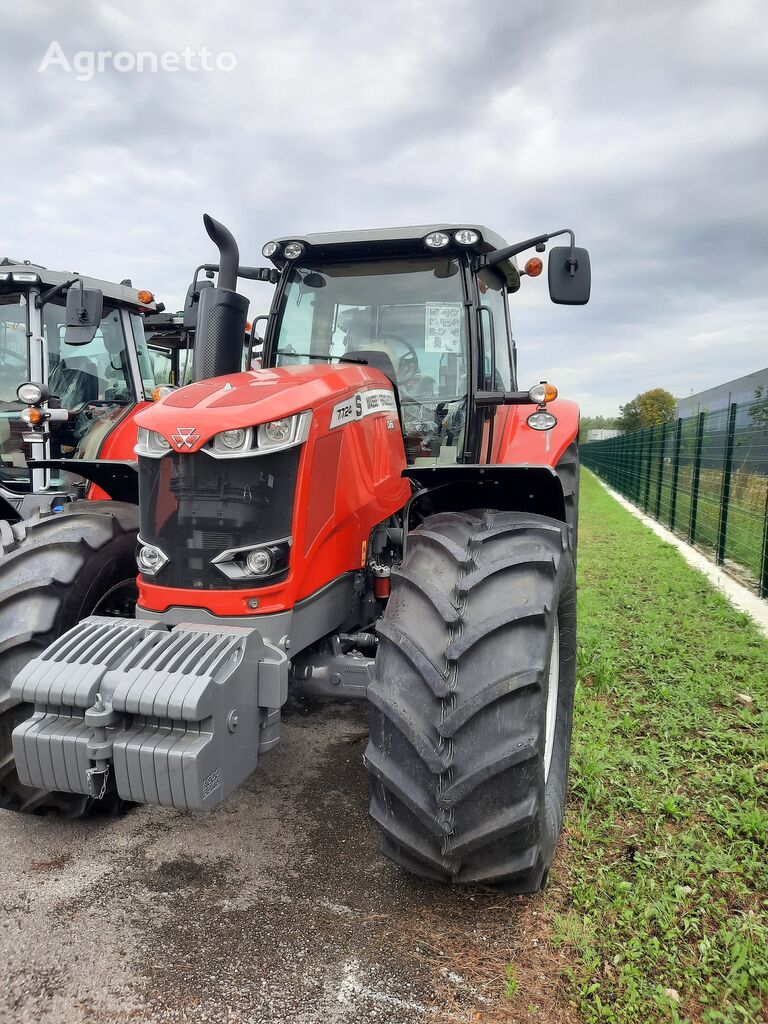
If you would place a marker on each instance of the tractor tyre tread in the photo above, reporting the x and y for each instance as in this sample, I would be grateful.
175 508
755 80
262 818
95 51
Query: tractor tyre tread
458 701
53 568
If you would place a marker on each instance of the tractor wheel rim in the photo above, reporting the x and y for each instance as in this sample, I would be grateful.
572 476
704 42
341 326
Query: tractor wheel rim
553 687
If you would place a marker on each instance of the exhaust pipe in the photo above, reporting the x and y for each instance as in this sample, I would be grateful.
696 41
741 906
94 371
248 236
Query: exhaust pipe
222 312
229 254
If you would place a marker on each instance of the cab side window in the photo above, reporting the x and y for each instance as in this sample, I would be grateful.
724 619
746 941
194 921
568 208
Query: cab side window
493 294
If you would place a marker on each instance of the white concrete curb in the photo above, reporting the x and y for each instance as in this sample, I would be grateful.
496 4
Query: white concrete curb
739 596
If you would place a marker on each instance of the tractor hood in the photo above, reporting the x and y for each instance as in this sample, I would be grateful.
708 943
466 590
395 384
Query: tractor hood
246 399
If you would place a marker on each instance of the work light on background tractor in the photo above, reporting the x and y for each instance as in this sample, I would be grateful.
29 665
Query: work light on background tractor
466 237
293 250
269 249
31 393
437 240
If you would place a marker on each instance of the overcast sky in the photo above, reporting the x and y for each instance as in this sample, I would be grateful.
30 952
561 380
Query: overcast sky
642 126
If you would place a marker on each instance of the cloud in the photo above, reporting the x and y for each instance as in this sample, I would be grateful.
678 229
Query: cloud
643 127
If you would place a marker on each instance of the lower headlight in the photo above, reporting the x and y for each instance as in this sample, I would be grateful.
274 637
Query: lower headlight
541 421
258 562
150 559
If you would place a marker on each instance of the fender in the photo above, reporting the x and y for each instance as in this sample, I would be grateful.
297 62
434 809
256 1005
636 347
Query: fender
118 480
507 488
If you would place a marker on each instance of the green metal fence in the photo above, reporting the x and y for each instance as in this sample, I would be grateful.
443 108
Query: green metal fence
705 477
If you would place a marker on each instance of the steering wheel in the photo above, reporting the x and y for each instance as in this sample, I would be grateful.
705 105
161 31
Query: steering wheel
7 354
408 364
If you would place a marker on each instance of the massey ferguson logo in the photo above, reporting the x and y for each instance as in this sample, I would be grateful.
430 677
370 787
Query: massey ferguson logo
185 437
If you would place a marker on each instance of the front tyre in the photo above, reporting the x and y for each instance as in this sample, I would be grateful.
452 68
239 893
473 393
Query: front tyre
472 701
54 571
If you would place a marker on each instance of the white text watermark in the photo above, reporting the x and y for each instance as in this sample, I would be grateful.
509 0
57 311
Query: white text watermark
85 64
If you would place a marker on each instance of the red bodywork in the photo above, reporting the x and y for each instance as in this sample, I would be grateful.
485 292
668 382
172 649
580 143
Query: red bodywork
349 478
515 443
118 446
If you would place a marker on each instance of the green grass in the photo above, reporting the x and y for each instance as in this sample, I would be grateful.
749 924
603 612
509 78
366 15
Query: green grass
666 850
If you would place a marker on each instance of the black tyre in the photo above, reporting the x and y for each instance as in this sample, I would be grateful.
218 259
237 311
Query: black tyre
468 771
54 571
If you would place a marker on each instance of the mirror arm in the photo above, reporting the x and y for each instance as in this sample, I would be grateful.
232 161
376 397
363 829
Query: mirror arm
57 288
490 259
484 399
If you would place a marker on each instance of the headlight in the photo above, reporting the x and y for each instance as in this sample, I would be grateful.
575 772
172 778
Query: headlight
269 249
232 439
436 240
278 430
284 432
466 236
293 250
31 393
541 421
258 562
25 277
232 442
150 559
238 442
150 444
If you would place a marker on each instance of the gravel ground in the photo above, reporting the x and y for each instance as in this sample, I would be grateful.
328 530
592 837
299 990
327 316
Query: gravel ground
275 907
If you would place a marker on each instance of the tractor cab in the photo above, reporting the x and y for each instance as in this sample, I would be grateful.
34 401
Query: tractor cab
427 305
91 376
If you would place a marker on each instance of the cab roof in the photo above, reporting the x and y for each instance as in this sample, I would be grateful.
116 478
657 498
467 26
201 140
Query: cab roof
408 241
118 293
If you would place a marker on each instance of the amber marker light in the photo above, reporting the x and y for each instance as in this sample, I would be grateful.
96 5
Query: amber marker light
146 297
32 416
533 266
543 393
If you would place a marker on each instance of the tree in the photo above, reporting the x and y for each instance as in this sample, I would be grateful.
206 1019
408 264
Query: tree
648 409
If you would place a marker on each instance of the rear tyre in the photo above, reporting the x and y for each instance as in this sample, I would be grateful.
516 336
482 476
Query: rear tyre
472 701
54 571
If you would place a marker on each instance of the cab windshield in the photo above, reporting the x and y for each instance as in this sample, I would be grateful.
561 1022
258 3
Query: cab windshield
406 315
14 370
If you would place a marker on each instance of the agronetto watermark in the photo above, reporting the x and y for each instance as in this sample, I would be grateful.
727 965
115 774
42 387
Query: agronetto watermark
86 64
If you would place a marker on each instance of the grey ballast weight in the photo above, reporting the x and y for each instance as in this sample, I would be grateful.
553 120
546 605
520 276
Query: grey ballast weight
178 716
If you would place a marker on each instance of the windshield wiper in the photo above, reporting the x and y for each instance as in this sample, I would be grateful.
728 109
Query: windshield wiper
311 355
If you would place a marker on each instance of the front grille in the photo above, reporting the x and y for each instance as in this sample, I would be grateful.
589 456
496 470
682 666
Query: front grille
194 507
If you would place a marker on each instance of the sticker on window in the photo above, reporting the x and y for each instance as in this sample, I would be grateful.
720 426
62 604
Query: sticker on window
442 327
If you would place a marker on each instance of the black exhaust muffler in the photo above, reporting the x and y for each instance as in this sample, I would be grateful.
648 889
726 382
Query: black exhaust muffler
222 312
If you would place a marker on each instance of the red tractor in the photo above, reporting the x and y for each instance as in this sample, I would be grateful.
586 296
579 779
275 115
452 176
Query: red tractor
379 512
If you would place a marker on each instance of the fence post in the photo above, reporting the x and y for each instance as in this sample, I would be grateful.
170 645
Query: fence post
725 490
649 459
696 477
636 494
675 473
660 472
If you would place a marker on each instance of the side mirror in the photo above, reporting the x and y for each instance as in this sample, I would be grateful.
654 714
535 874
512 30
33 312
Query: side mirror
570 275
83 315
192 302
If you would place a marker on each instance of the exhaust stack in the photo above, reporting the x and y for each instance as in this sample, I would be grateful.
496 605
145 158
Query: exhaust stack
222 312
